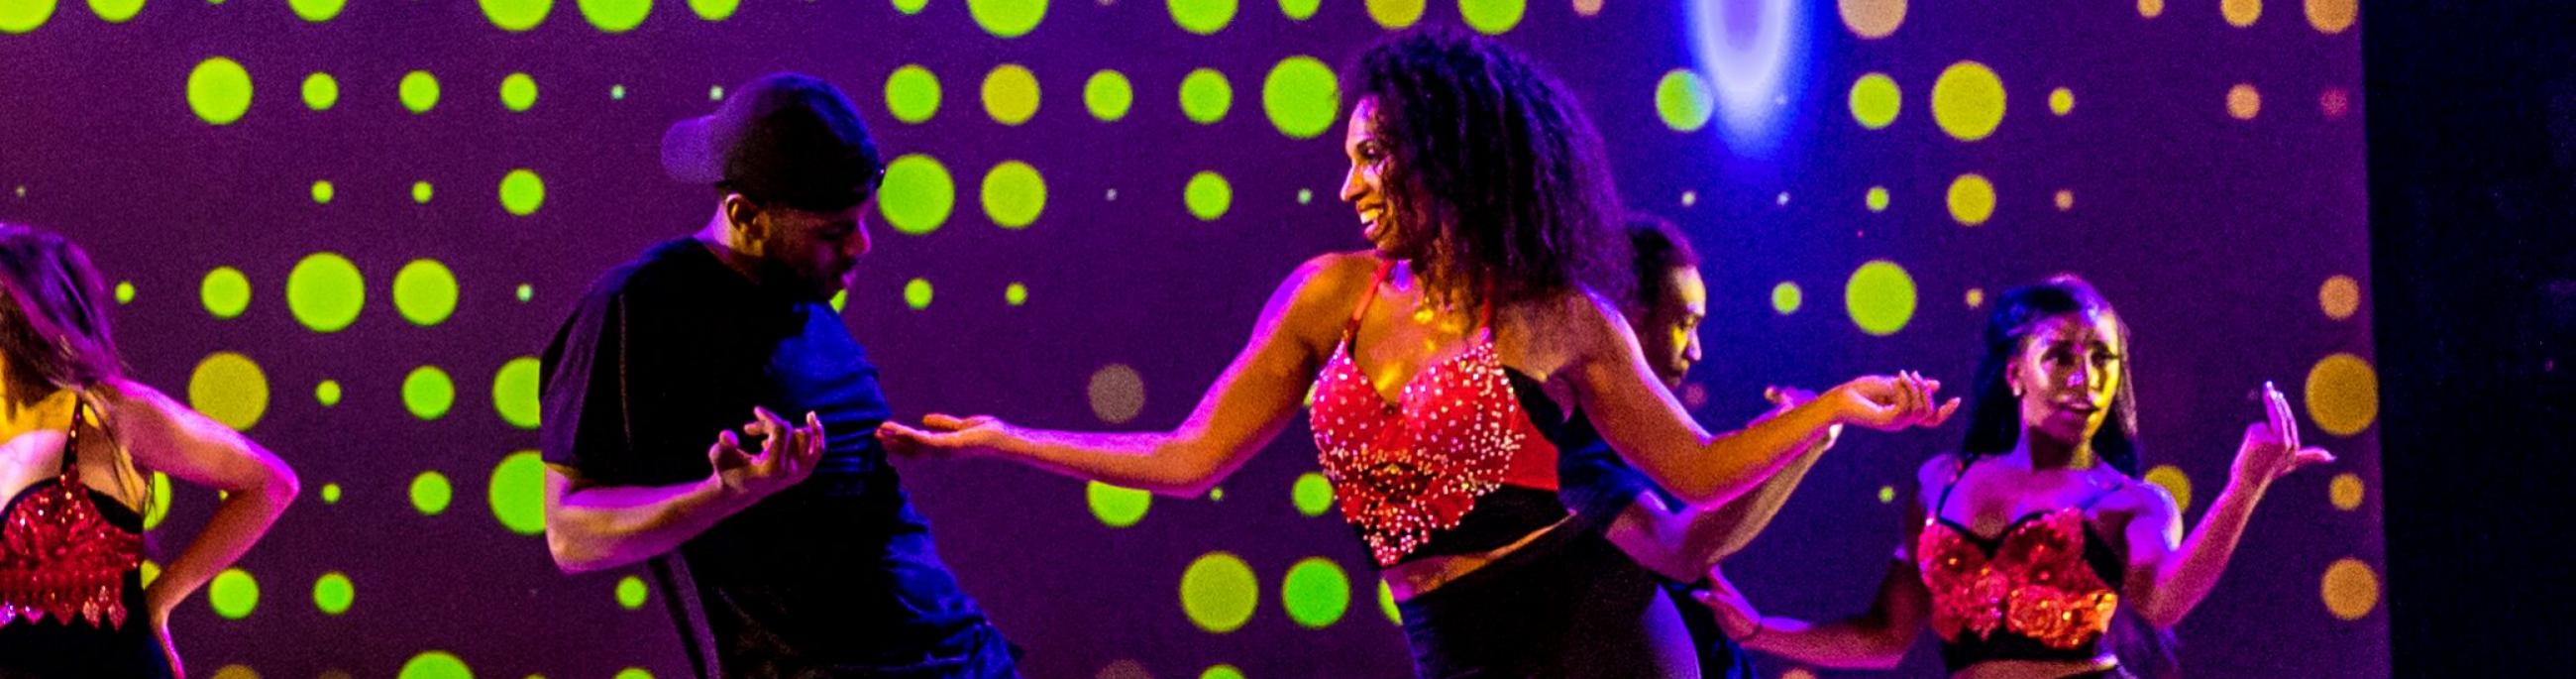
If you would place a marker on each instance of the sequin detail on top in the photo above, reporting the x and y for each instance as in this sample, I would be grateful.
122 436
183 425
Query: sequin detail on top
60 557
2033 581
1406 469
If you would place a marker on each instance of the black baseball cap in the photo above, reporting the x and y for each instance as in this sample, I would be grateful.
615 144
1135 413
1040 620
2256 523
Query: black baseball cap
787 138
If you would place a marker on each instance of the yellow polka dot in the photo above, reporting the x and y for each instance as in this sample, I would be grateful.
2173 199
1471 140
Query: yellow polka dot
2351 589
236 672
1798 673
2340 297
2061 101
2065 200
1968 101
2243 102
1395 13
230 388
1976 297
1972 199
1872 18
2151 8
2343 394
2241 13
2174 482
2332 16
1587 7
2345 492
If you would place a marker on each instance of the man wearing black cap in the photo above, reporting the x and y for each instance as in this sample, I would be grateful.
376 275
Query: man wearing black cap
783 544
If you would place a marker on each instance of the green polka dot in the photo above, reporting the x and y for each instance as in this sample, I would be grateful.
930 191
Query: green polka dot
917 195
430 493
233 593
427 392
230 388
1204 17
325 292
615 16
20 16
1221 672
1683 100
1316 593
1006 18
1877 199
1880 297
1216 494
323 191
1386 604
420 192
1971 199
840 301
225 292
912 93
1886 494
633 673
514 391
1313 494
151 571
714 10
1219 593
321 91
160 507
518 92
317 11
116 11
425 292
1015 294
124 292
1014 195
435 665
330 493
910 6
219 89
1492 17
617 92
522 192
526 292
1205 96
1300 10
1208 196
1787 297
916 294
1108 95
333 593
419 91
516 15
518 493
1301 96
327 393
1875 101
1968 101
1010 94
631 593
1117 507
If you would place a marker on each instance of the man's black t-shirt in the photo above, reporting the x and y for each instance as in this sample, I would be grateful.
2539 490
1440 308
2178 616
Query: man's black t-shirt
833 577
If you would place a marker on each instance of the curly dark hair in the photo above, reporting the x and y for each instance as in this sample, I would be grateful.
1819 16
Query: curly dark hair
1498 182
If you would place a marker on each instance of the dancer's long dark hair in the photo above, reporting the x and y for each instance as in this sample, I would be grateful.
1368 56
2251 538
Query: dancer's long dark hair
1496 180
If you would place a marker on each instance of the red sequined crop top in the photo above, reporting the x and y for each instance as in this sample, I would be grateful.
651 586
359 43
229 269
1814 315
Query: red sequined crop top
2044 589
65 549
1408 469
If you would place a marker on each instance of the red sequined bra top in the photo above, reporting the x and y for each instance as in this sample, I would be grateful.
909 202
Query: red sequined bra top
65 549
2044 589
1409 470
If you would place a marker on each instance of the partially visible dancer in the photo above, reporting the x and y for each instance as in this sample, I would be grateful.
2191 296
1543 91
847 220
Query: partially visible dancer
1678 542
82 442
2039 531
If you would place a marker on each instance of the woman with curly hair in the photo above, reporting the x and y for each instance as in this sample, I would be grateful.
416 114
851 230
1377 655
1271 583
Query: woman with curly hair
1450 363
